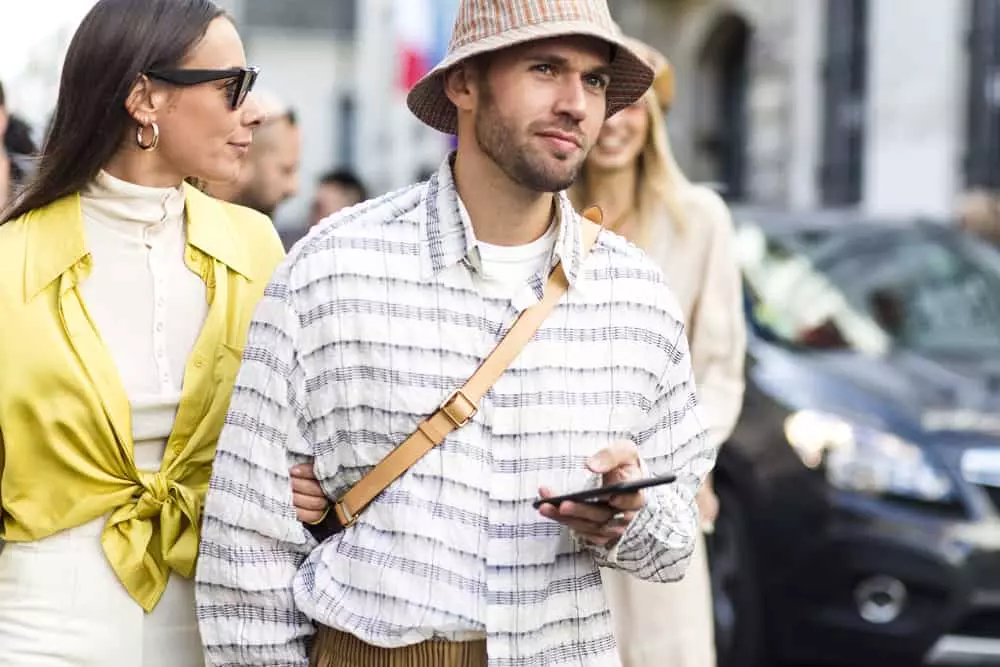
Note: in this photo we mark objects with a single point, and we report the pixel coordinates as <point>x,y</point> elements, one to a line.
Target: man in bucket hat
<point>390,306</point>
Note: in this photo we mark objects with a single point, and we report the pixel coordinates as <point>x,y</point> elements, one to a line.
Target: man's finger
<point>303,471</point>
<point>619,454</point>
<point>308,516</point>
<point>589,529</point>
<point>587,512</point>
<point>628,502</point>
<point>307,487</point>
<point>309,502</point>
<point>586,520</point>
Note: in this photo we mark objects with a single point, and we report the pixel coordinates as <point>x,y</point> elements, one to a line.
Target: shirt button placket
<point>159,324</point>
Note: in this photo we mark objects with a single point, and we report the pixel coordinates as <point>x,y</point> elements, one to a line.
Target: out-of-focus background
<point>889,106</point>
<point>858,145</point>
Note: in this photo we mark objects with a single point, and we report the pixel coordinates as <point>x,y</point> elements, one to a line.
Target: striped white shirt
<point>366,327</point>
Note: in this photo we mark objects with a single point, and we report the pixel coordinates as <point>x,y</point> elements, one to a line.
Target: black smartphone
<point>598,495</point>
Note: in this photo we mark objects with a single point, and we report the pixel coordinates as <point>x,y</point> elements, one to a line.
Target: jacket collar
<point>56,241</point>
<point>449,238</point>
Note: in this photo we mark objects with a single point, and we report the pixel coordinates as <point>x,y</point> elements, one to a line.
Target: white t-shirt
<point>505,269</point>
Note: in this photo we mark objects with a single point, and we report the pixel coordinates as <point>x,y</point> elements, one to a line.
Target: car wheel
<point>739,629</point>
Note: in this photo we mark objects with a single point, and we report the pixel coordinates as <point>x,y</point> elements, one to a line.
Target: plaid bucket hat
<point>483,26</point>
<point>663,72</point>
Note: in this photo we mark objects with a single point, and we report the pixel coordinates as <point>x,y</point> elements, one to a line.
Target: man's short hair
<point>345,178</point>
<point>274,107</point>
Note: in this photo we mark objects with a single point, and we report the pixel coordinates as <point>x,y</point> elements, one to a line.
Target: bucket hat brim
<point>631,75</point>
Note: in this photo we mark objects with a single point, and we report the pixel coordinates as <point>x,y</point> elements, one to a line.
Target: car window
<point>873,288</point>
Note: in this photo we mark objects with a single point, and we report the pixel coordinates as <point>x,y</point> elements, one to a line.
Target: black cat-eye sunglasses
<point>243,79</point>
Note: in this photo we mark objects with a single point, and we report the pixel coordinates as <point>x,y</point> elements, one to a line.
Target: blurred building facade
<point>890,106</point>
<point>336,62</point>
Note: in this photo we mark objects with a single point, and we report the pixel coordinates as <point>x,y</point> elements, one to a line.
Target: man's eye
<point>596,81</point>
<point>544,69</point>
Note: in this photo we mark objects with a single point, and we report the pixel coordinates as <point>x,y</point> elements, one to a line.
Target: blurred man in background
<point>270,173</point>
<point>17,152</point>
<point>337,189</point>
<point>6,179</point>
<point>978,212</point>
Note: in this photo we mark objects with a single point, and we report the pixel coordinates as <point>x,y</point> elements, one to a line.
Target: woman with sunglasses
<point>125,295</point>
<point>631,172</point>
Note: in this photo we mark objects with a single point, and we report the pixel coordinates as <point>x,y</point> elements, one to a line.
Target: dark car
<point>860,491</point>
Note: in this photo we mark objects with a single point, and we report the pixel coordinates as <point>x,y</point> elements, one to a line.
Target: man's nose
<point>572,100</point>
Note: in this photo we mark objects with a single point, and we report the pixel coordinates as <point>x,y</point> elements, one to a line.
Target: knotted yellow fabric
<point>145,555</point>
<point>66,452</point>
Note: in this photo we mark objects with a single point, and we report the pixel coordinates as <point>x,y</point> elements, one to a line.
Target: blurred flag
<point>423,28</point>
<point>415,39</point>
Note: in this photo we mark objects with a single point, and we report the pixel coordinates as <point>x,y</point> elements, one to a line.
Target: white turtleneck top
<point>148,307</point>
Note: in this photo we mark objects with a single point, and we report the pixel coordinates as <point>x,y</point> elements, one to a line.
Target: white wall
<point>916,106</point>
<point>310,72</point>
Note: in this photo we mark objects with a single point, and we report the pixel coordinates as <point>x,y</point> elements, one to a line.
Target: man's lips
<point>565,140</point>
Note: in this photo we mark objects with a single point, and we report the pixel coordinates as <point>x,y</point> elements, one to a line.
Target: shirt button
<point>159,326</point>
<point>199,362</point>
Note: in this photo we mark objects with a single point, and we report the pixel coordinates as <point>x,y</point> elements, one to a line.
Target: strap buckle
<point>344,515</point>
<point>457,413</point>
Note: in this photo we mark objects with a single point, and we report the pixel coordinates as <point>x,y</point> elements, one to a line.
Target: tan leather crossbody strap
<point>461,406</point>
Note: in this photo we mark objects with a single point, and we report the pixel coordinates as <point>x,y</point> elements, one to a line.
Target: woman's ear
<point>143,101</point>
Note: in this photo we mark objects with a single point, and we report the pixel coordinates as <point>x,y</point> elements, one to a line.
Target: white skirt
<point>62,606</point>
<point>664,625</point>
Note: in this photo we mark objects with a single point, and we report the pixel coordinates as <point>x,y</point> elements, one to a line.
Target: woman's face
<point>621,140</point>
<point>201,135</point>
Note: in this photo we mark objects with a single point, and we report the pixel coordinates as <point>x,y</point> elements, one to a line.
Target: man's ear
<point>144,102</point>
<point>461,86</point>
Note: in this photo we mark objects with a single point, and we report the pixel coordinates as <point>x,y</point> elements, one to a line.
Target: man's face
<point>272,168</point>
<point>540,108</point>
<point>3,125</point>
<point>330,198</point>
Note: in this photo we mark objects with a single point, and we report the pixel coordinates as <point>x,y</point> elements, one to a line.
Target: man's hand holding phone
<point>601,524</point>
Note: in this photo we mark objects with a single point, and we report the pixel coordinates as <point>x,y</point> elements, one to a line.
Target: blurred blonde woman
<point>632,174</point>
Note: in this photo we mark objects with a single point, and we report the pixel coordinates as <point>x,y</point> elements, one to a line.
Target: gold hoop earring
<point>151,146</point>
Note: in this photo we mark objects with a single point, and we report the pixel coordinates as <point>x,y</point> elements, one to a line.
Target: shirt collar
<point>56,241</point>
<point>211,229</point>
<point>449,239</point>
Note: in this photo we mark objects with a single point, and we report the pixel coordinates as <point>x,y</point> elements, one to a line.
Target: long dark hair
<point>116,42</point>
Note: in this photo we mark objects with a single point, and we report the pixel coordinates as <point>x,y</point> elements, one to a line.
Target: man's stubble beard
<point>497,141</point>
<point>250,195</point>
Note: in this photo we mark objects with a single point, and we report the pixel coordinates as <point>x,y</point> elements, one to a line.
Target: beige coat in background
<point>671,625</point>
